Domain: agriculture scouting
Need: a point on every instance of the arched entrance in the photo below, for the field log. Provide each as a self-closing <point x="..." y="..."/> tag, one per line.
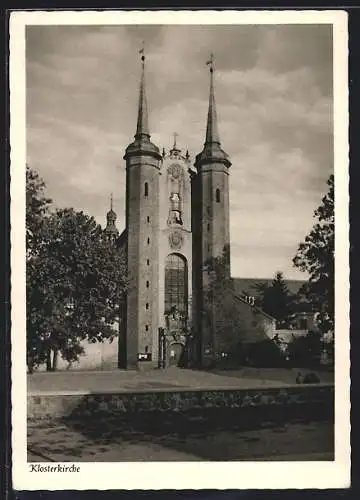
<point x="175" y="352"/>
<point x="176" y="307"/>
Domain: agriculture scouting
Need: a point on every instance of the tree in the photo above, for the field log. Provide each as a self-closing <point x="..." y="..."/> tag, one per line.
<point x="219" y="316"/>
<point x="37" y="213"/>
<point x="76" y="280"/>
<point x="276" y="300"/>
<point x="37" y="209"/>
<point x="79" y="287"/>
<point x="316" y="257"/>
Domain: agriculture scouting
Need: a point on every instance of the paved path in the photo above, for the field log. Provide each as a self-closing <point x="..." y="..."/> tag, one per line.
<point x="170" y="379"/>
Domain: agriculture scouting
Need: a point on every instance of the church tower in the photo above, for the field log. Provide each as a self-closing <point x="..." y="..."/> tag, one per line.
<point x="142" y="226"/>
<point x="210" y="225"/>
<point x="111" y="230"/>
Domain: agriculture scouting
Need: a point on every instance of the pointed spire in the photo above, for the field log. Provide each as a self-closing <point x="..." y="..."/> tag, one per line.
<point x="142" y="128"/>
<point x="142" y="144"/>
<point x="212" y="133"/>
<point x="212" y="152"/>
<point x="111" y="201"/>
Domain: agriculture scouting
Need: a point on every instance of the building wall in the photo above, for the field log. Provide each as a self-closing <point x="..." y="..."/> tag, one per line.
<point x="182" y="243"/>
<point x="97" y="356"/>
<point x="142" y="220"/>
<point x="211" y="239"/>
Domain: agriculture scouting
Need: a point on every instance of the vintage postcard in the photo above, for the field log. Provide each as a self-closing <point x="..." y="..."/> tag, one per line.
<point x="180" y="278"/>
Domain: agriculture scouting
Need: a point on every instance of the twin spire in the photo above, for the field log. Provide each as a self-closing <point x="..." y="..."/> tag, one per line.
<point x="212" y="133"/>
<point x="212" y="150"/>
<point x="142" y="128"/>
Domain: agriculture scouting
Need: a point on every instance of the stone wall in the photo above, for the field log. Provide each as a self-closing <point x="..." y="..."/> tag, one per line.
<point x="97" y="356"/>
<point x="49" y="406"/>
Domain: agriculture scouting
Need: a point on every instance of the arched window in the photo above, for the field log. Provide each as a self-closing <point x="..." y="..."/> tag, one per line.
<point x="218" y="195"/>
<point x="176" y="284"/>
<point x="146" y="189"/>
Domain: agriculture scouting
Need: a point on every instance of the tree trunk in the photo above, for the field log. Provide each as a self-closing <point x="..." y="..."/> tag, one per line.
<point x="48" y="360"/>
<point x="55" y="360"/>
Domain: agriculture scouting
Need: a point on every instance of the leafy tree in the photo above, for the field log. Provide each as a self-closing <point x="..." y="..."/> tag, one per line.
<point x="316" y="256"/>
<point x="37" y="208"/>
<point x="276" y="300"/>
<point x="37" y="212"/>
<point x="76" y="280"/>
<point x="83" y="284"/>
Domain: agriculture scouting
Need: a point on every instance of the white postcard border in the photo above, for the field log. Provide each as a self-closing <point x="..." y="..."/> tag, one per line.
<point x="194" y="475"/>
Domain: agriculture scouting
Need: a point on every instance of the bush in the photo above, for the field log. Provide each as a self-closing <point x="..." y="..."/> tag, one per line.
<point x="311" y="378"/>
<point x="305" y="351"/>
<point x="265" y="354"/>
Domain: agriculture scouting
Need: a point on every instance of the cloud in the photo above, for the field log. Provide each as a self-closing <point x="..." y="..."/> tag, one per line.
<point x="274" y="100"/>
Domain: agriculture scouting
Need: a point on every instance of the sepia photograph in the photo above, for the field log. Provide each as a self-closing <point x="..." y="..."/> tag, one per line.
<point x="175" y="295"/>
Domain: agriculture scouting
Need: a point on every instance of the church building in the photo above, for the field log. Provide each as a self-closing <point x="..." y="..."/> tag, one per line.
<point x="182" y="307"/>
<point x="177" y="220"/>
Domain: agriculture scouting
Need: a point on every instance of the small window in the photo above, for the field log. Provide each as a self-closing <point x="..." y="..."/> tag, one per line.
<point x="146" y="189"/>
<point x="148" y="241"/>
<point x="208" y="227"/>
<point x="218" y="196"/>
<point x="146" y="349"/>
<point x="209" y="248"/>
<point x="147" y="305"/>
<point x="146" y="328"/>
<point x="148" y="219"/>
<point x="147" y="284"/>
<point x="147" y="262"/>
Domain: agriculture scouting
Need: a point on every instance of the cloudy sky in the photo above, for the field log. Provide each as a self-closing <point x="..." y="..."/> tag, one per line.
<point x="274" y="103"/>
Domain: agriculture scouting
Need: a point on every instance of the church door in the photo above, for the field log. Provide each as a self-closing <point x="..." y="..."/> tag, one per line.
<point x="174" y="354"/>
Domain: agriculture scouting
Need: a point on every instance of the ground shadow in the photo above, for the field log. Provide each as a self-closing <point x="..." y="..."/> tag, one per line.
<point x="211" y="434"/>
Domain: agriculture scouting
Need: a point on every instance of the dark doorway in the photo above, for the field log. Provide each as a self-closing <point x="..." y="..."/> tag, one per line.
<point x="175" y="352"/>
